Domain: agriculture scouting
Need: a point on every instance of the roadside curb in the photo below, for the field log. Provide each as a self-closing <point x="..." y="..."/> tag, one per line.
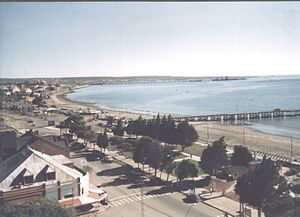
<point x="218" y="208"/>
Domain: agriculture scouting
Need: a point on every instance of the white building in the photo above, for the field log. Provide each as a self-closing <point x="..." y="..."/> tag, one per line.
<point x="31" y="174"/>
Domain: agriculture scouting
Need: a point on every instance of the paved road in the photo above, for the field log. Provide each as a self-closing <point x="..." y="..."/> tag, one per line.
<point x="125" y="197"/>
<point x="168" y="205"/>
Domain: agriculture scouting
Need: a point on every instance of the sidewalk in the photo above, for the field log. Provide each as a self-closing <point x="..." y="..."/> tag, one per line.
<point x="148" y="170"/>
<point x="192" y="157"/>
<point x="229" y="206"/>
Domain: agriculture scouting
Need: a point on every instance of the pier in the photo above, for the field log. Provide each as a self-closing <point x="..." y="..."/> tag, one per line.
<point x="241" y="116"/>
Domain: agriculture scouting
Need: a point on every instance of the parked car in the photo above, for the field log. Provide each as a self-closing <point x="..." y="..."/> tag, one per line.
<point x="192" y="198"/>
<point x="123" y="178"/>
<point x="136" y="171"/>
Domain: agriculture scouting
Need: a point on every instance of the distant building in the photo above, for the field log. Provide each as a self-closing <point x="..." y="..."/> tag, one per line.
<point x="15" y="89"/>
<point x="28" y="91"/>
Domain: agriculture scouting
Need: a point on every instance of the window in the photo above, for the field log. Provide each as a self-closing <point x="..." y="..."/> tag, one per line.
<point x="50" y="176"/>
<point x="68" y="195"/>
<point x="28" y="179"/>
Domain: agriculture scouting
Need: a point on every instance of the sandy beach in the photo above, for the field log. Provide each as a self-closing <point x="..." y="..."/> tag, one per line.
<point x="234" y="134"/>
<point x="60" y="101"/>
<point x="253" y="139"/>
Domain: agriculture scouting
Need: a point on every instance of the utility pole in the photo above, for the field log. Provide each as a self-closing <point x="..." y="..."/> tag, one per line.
<point x="291" y="148"/>
<point x="207" y="132"/>
<point x="244" y="137"/>
<point x="142" y="199"/>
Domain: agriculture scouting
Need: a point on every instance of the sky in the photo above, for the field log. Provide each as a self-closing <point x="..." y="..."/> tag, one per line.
<point x="149" y="39"/>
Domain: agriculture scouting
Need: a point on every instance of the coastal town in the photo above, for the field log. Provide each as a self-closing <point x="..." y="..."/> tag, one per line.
<point x="95" y="162"/>
<point x="150" y="109"/>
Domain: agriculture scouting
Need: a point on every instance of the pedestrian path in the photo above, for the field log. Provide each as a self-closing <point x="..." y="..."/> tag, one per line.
<point x="133" y="198"/>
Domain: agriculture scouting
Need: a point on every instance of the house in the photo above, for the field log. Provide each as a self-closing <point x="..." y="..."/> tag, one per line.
<point x="15" y="89"/>
<point x="28" y="91"/>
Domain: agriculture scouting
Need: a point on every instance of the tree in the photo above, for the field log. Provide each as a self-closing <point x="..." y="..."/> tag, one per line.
<point x="214" y="157"/>
<point x="170" y="131"/>
<point x="241" y="156"/>
<point x="155" y="156"/>
<point x="181" y="170"/>
<point x="139" y="154"/>
<point x="186" y="169"/>
<point x="129" y="128"/>
<point x="139" y="126"/>
<point x="261" y="186"/>
<point x="76" y="125"/>
<point x="90" y="136"/>
<point x="119" y="129"/>
<point x="102" y="141"/>
<point x="42" y="207"/>
<point x="278" y="206"/>
<point x="186" y="134"/>
<point x="169" y="168"/>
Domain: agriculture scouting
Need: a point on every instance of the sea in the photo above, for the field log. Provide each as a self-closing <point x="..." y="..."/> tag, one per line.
<point x="184" y="98"/>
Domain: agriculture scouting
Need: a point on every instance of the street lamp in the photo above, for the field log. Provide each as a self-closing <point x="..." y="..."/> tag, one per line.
<point x="194" y="204"/>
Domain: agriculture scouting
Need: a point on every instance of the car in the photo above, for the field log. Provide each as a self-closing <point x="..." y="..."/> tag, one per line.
<point x="192" y="198"/>
<point x="136" y="171"/>
<point x="123" y="178"/>
<point x="142" y="179"/>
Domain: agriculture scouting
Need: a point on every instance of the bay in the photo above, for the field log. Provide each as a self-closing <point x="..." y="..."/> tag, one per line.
<point x="205" y="97"/>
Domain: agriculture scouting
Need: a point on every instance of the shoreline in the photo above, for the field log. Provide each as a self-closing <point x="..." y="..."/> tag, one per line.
<point x="60" y="100"/>
<point x="254" y="138"/>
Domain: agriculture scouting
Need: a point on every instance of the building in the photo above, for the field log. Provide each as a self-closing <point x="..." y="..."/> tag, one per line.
<point x="51" y="145"/>
<point x="8" y="142"/>
<point x="30" y="174"/>
<point x="235" y="172"/>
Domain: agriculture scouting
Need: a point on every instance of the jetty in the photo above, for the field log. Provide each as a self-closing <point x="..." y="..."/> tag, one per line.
<point x="241" y="116"/>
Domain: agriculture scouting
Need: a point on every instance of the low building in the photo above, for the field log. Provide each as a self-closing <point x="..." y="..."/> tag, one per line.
<point x="252" y="165"/>
<point x="30" y="174"/>
<point x="51" y="145"/>
<point x="235" y="172"/>
<point x="8" y="142"/>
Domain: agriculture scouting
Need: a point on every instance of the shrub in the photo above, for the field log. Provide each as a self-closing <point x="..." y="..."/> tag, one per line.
<point x="290" y="172"/>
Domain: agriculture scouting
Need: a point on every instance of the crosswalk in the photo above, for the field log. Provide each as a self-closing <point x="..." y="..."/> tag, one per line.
<point x="134" y="198"/>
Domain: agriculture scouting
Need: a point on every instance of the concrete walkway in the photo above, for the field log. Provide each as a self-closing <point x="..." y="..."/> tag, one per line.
<point x="191" y="156"/>
<point x="229" y="206"/>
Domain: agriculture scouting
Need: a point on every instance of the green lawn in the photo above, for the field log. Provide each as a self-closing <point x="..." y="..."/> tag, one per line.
<point x="194" y="149"/>
<point x="193" y="162"/>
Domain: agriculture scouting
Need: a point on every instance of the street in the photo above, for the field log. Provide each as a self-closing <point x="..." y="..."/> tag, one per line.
<point x="125" y="195"/>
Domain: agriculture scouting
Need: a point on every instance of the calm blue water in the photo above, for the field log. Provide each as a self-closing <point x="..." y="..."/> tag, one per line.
<point x="206" y="97"/>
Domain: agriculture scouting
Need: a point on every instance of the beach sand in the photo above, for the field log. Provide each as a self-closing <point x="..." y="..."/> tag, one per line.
<point x="253" y="139"/>
<point x="58" y="99"/>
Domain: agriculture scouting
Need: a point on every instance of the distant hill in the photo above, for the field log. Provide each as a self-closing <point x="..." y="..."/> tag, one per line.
<point x="106" y="80"/>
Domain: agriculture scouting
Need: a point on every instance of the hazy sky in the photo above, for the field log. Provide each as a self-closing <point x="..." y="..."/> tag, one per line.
<point x="135" y="39"/>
